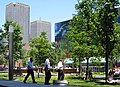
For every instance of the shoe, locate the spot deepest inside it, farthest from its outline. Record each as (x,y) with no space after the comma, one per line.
(35,82)
(24,81)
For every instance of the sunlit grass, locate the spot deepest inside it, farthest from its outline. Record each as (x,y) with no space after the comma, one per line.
(73,81)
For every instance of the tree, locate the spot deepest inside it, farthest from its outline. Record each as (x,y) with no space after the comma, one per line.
(94,25)
(107,13)
(114,56)
(83,32)
(40,49)
(56,52)
(59,51)
(17,38)
(2,48)
(24,56)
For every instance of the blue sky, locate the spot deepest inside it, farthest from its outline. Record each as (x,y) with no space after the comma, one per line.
(48,10)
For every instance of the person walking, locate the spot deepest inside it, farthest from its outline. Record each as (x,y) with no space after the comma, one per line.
(47,70)
(30,71)
(60,70)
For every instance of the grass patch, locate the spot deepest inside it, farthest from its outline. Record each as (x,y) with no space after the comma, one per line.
(73,81)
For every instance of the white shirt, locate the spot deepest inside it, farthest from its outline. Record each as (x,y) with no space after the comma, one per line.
(47,63)
(60,65)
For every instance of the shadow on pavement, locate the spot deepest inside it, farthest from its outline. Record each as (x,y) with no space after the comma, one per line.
(3,86)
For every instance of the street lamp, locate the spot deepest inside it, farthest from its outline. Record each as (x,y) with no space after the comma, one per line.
(11,47)
(10,52)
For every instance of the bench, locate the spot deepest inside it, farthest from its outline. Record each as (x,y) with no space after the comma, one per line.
(19,71)
(70,71)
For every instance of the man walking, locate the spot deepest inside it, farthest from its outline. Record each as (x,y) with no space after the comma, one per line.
(30,71)
(60,70)
(47,70)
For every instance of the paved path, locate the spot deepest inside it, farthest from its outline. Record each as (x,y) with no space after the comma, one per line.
(8,83)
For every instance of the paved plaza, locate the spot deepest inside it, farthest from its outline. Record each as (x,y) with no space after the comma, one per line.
(16,83)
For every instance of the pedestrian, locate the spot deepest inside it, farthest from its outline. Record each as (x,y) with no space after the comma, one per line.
(47,70)
(30,71)
(60,70)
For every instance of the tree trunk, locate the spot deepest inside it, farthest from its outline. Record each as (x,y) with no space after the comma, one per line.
(106,68)
(80,68)
(87,69)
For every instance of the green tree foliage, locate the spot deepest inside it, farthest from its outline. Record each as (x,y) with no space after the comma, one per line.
(115,54)
(24,56)
(83,31)
(2,49)
(3,56)
(92,29)
(106,28)
(59,52)
(56,52)
(40,49)
(17,38)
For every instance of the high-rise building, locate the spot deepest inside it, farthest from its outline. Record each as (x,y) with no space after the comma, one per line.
(19,13)
(39,26)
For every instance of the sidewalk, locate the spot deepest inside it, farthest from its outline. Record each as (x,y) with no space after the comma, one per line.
(13,83)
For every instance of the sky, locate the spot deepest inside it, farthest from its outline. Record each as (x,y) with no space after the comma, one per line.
(52,11)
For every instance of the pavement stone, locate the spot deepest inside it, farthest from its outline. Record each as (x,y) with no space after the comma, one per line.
(13,83)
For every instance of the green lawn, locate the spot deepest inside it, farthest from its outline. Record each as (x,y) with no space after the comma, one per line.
(73,81)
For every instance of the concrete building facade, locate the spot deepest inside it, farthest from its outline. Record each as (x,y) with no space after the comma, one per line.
(39,26)
(19,13)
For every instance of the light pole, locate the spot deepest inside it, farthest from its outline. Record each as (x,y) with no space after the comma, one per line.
(10,52)
(11,47)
